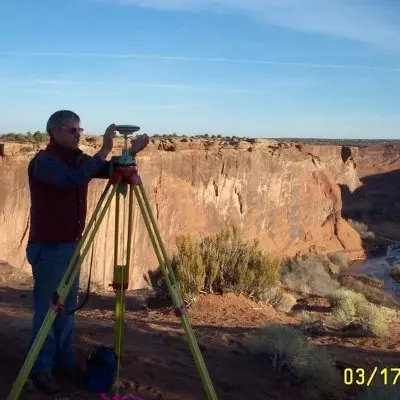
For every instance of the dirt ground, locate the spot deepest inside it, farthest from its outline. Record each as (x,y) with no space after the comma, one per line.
(157,363)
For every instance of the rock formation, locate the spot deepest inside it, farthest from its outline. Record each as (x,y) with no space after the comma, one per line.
(283,194)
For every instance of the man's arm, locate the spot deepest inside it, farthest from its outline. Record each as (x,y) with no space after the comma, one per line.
(105,171)
(48,169)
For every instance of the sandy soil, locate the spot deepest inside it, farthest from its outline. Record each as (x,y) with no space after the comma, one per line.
(157,363)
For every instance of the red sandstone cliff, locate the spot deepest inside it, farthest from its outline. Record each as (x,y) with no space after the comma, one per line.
(286,195)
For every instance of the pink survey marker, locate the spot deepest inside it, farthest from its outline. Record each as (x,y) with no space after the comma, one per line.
(120,397)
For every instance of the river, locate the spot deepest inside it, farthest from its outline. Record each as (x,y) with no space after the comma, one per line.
(378,268)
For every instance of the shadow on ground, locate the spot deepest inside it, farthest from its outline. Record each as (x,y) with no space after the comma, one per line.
(157,363)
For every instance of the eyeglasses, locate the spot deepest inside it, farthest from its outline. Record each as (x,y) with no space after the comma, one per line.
(73,130)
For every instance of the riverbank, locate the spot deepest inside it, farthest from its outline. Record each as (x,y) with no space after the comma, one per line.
(379,269)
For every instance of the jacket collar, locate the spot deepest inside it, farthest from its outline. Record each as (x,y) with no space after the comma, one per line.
(66,154)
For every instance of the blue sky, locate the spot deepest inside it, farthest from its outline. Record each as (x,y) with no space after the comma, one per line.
(258,68)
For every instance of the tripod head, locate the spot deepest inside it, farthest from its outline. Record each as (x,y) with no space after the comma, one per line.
(124,166)
(126,158)
(127,130)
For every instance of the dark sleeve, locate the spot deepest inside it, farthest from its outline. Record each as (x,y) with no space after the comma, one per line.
(104,171)
(48,169)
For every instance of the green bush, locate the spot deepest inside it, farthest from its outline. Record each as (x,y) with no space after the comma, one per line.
(228,263)
(351,308)
(287,349)
(308,274)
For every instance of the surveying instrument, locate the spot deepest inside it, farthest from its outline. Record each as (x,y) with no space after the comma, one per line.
(124,180)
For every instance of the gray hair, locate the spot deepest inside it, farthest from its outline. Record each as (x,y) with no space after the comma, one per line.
(57,119)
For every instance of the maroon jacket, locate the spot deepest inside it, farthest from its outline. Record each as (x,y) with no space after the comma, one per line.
(58,182)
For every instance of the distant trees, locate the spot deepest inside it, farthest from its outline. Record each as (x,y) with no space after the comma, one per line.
(40,136)
(37,136)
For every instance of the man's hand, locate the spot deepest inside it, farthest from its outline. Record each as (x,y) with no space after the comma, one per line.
(139,143)
(108,142)
(108,137)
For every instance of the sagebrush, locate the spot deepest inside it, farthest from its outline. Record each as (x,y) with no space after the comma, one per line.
(352,308)
(308,274)
(287,348)
(339,259)
(224,262)
(373,294)
(189,267)
(286,302)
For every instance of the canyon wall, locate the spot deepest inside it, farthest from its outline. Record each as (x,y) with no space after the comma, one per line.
(283,194)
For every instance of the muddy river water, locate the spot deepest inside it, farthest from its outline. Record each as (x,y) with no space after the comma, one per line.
(379,268)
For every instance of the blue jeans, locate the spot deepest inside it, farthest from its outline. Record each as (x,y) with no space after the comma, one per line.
(49,263)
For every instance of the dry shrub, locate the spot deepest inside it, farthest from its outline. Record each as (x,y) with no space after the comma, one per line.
(189,267)
(362,229)
(307,317)
(272,295)
(373,294)
(310,324)
(395,273)
(287,349)
(334,269)
(339,259)
(275,297)
(352,309)
(286,302)
(308,274)
(224,262)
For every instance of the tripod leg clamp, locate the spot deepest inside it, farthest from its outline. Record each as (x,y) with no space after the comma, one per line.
(121,277)
(56,305)
(127,174)
(179,311)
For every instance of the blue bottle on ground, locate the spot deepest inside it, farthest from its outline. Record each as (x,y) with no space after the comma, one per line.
(101,368)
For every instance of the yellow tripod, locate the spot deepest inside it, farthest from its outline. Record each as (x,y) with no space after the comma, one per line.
(124,179)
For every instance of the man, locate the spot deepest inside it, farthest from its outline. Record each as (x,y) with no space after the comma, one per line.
(58,181)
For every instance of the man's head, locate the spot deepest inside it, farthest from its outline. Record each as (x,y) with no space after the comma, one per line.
(64,127)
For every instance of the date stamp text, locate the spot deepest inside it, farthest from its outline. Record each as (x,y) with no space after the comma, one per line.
(362,377)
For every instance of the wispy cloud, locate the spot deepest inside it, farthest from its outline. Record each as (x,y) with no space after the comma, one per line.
(90,87)
(201,59)
(52,82)
(152,107)
(369,21)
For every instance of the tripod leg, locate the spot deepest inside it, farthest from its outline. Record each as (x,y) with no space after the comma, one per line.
(118,278)
(62,291)
(174,292)
(121,279)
